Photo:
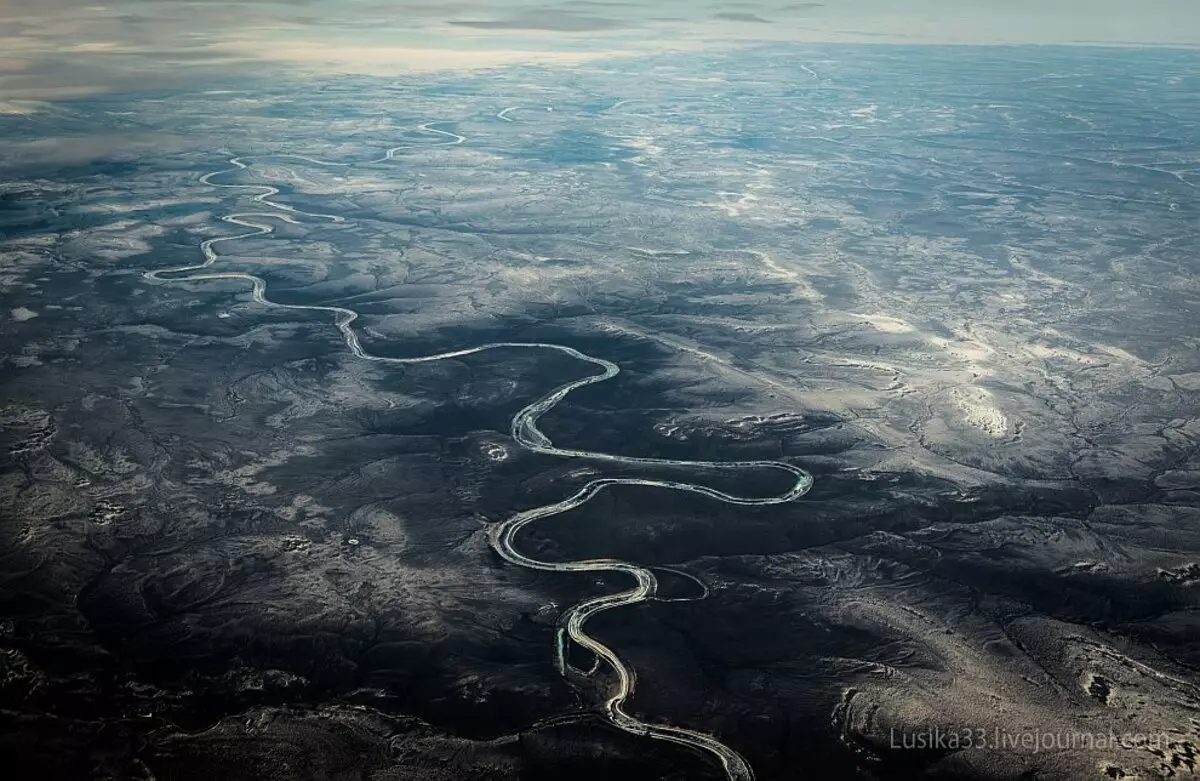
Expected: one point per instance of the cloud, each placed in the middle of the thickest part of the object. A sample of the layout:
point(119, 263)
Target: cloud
point(547, 20)
point(55, 48)
point(316, 56)
point(79, 150)
point(740, 16)
point(23, 108)
point(420, 10)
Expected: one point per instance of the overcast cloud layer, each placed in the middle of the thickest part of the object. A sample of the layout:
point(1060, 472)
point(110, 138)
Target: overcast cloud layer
point(57, 48)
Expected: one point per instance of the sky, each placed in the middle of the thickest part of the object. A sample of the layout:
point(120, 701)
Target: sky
point(60, 48)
